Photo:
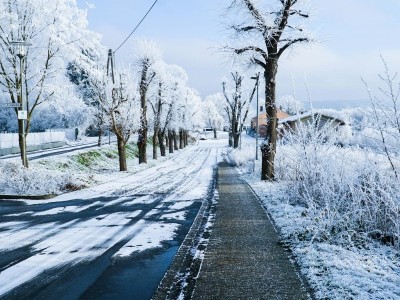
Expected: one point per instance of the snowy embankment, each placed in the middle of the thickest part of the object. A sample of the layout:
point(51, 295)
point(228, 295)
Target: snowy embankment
point(67, 172)
point(338, 210)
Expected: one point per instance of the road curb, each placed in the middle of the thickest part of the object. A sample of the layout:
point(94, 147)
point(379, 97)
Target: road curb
point(27, 197)
point(180, 276)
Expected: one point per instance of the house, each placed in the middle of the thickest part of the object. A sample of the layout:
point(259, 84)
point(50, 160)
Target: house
point(262, 121)
point(319, 119)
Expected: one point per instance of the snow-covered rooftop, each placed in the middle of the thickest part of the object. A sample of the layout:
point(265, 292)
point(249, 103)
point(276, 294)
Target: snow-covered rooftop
point(325, 113)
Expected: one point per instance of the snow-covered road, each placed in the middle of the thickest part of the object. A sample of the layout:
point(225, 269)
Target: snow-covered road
point(73, 245)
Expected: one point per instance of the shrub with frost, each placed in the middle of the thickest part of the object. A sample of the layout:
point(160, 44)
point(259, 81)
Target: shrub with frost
point(18, 180)
point(349, 194)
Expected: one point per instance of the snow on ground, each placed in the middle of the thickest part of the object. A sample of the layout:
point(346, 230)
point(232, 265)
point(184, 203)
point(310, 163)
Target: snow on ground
point(345, 271)
point(151, 236)
point(333, 271)
point(139, 210)
point(174, 216)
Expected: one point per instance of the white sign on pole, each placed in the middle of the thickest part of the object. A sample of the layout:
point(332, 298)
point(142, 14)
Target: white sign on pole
point(12, 105)
point(22, 115)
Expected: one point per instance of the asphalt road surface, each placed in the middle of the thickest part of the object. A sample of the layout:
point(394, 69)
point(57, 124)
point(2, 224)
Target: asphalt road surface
point(114, 241)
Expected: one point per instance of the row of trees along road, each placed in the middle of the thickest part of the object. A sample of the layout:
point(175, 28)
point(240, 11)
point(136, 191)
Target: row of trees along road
point(150, 96)
point(63, 47)
point(264, 33)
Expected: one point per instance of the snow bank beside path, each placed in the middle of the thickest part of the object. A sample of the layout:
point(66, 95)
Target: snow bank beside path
point(333, 271)
point(350, 265)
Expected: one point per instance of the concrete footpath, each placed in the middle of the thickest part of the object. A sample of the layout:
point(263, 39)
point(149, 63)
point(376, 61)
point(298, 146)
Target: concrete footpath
point(244, 259)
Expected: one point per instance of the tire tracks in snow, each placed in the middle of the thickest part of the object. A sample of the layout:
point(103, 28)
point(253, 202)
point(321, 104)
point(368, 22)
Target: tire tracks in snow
point(55, 245)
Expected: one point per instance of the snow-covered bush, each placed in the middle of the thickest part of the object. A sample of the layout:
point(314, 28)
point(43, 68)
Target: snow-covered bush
point(239, 156)
point(349, 194)
point(18, 180)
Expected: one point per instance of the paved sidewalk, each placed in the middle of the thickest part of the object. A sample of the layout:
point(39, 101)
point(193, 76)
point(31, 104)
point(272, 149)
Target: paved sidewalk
point(244, 259)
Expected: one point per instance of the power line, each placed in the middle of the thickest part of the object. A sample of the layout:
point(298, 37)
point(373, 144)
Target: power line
point(137, 26)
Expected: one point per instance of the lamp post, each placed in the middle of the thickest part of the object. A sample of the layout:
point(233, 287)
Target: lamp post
point(257, 77)
point(20, 51)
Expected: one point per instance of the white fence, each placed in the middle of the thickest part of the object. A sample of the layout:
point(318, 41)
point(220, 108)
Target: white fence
point(35, 141)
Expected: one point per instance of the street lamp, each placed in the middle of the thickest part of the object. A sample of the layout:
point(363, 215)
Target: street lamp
point(20, 51)
point(257, 78)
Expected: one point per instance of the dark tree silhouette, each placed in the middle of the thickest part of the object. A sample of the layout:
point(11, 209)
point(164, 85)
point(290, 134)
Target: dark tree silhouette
point(272, 31)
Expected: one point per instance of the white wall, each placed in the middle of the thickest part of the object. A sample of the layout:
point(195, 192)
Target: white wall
point(34, 140)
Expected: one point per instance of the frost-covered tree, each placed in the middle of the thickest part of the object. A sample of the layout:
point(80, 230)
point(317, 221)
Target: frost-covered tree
point(290, 105)
point(146, 56)
point(159, 101)
point(55, 114)
point(87, 76)
point(211, 116)
point(263, 32)
point(57, 31)
point(181, 110)
point(237, 107)
point(220, 103)
point(118, 107)
point(189, 114)
point(79, 74)
point(176, 84)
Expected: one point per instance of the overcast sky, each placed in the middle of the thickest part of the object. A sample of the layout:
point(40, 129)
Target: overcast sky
point(352, 33)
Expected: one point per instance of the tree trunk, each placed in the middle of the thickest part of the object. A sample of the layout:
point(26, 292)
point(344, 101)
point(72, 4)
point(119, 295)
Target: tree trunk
point(161, 137)
point(22, 144)
point(236, 141)
point(142, 146)
point(186, 137)
point(170, 141)
point(100, 137)
point(142, 140)
point(215, 133)
point(268, 149)
point(121, 154)
point(180, 138)
point(175, 140)
point(155, 135)
point(235, 135)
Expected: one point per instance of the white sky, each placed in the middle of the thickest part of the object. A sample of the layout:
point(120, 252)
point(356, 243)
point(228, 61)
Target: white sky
point(353, 34)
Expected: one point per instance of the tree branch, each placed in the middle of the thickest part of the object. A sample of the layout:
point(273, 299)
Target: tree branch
point(299, 40)
point(252, 48)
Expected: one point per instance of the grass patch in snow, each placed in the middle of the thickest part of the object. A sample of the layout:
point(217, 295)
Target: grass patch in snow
point(87, 158)
point(100, 158)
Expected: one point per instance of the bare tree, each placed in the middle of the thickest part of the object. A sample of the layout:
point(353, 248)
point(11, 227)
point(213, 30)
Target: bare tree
point(236, 108)
point(120, 113)
point(144, 85)
point(211, 116)
point(267, 34)
point(162, 134)
point(157, 111)
point(147, 55)
point(116, 107)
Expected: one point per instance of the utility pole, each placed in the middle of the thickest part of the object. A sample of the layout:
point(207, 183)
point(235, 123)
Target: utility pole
point(257, 78)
